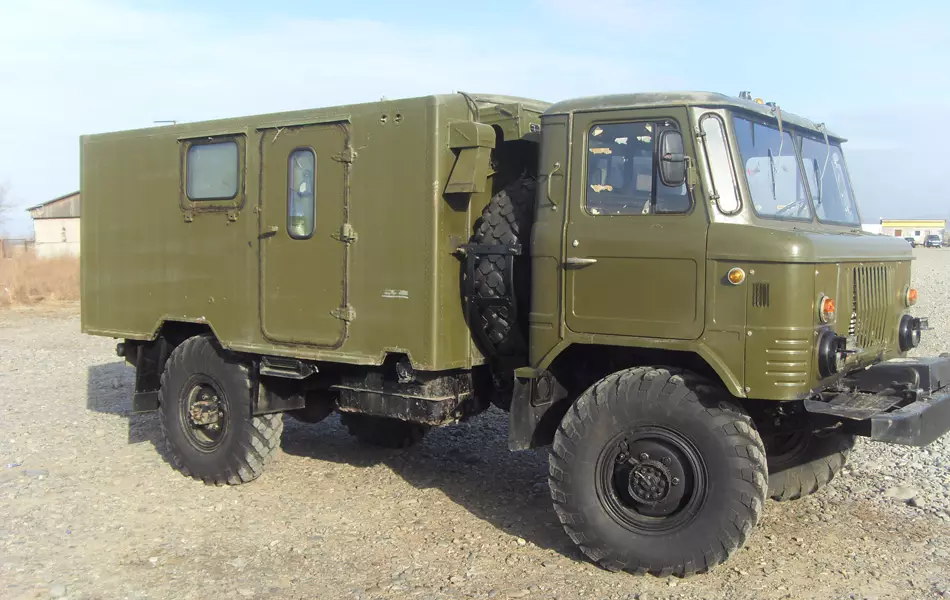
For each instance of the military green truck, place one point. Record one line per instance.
(671, 289)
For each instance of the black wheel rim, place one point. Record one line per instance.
(204, 413)
(651, 480)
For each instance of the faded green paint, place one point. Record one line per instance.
(399, 186)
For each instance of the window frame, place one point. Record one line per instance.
(232, 204)
(793, 135)
(313, 193)
(655, 122)
(730, 159)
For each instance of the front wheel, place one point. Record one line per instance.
(658, 472)
(803, 462)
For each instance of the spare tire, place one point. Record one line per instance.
(506, 220)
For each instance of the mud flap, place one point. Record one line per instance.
(538, 404)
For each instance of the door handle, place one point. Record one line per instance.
(555, 169)
(576, 261)
(268, 232)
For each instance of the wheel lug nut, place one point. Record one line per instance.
(666, 460)
(644, 456)
(675, 481)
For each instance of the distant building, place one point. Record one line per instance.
(918, 229)
(56, 226)
(872, 228)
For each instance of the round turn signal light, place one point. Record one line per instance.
(826, 309)
(911, 298)
(735, 276)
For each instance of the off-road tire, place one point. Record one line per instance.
(809, 466)
(506, 220)
(383, 431)
(732, 460)
(247, 443)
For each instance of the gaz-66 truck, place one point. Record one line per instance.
(671, 289)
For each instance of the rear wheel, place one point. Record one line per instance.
(803, 462)
(205, 415)
(657, 472)
(383, 431)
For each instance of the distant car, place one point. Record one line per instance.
(911, 241)
(933, 241)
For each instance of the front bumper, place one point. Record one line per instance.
(900, 401)
(919, 423)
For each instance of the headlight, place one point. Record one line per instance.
(831, 353)
(908, 334)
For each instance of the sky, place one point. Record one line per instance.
(875, 72)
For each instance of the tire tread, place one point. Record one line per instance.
(660, 385)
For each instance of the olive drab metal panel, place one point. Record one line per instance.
(302, 252)
(635, 259)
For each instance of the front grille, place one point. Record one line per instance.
(871, 289)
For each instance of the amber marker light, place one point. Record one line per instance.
(911, 298)
(735, 276)
(826, 309)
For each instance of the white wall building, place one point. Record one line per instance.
(56, 226)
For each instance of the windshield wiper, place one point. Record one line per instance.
(772, 173)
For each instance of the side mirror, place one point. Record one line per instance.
(672, 158)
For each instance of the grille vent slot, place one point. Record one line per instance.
(760, 294)
(871, 290)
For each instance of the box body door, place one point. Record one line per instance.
(303, 187)
(635, 248)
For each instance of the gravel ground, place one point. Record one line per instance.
(89, 509)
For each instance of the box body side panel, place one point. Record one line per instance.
(147, 260)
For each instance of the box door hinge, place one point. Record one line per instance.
(348, 155)
(344, 313)
(347, 234)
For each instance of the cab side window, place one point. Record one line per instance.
(301, 194)
(622, 171)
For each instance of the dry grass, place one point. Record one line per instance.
(26, 279)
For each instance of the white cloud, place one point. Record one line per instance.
(88, 66)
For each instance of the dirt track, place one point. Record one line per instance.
(89, 509)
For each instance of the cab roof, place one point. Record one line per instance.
(709, 99)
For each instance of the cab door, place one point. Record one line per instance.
(635, 248)
(303, 182)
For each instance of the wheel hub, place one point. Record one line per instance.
(649, 482)
(204, 415)
(205, 409)
(652, 479)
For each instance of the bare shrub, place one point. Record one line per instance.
(26, 279)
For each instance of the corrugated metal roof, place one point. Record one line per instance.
(63, 207)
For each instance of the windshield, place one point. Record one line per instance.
(771, 168)
(828, 181)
